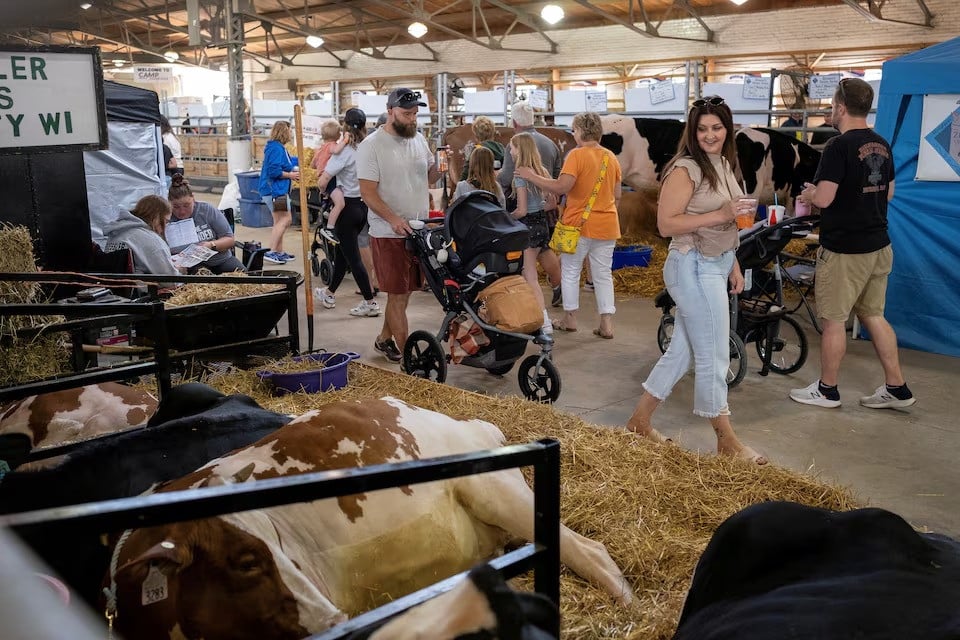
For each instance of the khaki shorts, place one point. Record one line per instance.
(848, 282)
(398, 271)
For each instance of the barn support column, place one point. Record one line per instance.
(335, 97)
(509, 93)
(238, 148)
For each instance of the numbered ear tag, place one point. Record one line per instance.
(154, 587)
(747, 279)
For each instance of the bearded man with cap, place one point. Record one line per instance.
(396, 168)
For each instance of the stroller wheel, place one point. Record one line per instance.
(325, 271)
(315, 264)
(789, 351)
(665, 332)
(423, 357)
(539, 379)
(738, 361)
(501, 370)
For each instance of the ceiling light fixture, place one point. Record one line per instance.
(171, 56)
(551, 14)
(738, 2)
(314, 41)
(86, 5)
(118, 63)
(417, 29)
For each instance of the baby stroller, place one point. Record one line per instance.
(473, 245)
(323, 267)
(758, 314)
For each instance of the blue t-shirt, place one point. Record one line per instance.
(534, 195)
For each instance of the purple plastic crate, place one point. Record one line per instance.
(636, 255)
(332, 375)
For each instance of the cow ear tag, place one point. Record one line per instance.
(154, 586)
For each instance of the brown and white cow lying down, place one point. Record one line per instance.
(72, 415)
(289, 571)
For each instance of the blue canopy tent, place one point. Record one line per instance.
(923, 296)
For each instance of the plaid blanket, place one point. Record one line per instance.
(466, 338)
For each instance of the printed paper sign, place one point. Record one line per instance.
(661, 92)
(49, 99)
(755, 88)
(822, 87)
(596, 101)
(152, 74)
(311, 130)
(939, 158)
(538, 99)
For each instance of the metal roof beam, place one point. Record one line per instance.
(650, 30)
(873, 11)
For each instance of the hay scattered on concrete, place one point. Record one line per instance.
(23, 360)
(642, 282)
(653, 506)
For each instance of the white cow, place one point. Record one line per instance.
(289, 571)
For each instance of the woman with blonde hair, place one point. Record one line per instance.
(531, 211)
(482, 176)
(484, 133)
(278, 169)
(590, 179)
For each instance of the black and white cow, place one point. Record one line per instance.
(772, 163)
(784, 570)
(643, 146)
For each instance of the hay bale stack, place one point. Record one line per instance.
(653, 506)
(23, 360)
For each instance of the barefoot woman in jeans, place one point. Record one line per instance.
(698, 202)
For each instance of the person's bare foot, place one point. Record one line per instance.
(743, 452)
(649, 433)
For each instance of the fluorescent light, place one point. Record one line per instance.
(551, 14)
(738, 2)
(171, 56)
(314, 41)
(417, 29)
(86, 5)
(118, 63)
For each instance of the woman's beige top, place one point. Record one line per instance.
(709, 241)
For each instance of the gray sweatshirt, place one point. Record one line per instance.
(150, 252)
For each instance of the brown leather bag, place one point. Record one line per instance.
(510, 305)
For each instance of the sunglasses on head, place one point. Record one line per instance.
(408, 96)
(715, 101)
(843, 93)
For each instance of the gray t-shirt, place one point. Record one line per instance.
(550, 157)
(343, 166)
(400, 167)
(211, 224)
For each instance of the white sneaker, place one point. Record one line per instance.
(812, 395)
(366, 309)
(883, 399)
(327, 299)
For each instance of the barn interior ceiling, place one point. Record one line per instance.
(195, 32)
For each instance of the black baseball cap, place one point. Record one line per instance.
(356, 118)
(404, 98)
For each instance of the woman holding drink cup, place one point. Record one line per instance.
(700, 201)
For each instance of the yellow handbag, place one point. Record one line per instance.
(566, 236)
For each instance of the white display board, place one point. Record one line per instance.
(318, 107)
(872, 117)
(638, 101)
(51, 99)
(732, 94)
(568, 103)
(487, 103)
(939, 158)
(375, 104)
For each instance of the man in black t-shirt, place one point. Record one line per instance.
(852, 186)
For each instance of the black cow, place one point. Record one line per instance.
(643, 146)
(199, 424)
(784, 570)
(773, 162)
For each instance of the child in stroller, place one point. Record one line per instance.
(475, 244)
(758, 314)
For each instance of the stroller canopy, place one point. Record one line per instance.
(478, 224)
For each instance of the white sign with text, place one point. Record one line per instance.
(538, 99)
(48, 99)
(597, 101)
(152, 74)
(823, 86)
(755, 88)
(661, 92)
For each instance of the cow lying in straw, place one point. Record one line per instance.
(289, 571)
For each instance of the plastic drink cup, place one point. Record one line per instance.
(775, 214)
(801, 208)
(746, 212)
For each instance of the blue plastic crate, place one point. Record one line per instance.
(637, 255)
(249, 183)
(254, 213)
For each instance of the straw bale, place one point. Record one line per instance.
(195, 293)
(653, 506)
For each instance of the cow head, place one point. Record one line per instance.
(212, 579)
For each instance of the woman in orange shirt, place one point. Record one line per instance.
(587, 169)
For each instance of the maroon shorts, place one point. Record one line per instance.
(398, 271)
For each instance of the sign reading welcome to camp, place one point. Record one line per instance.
(51, 99)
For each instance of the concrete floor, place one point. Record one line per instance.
(898, 460)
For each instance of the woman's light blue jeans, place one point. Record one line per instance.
(701, 331)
